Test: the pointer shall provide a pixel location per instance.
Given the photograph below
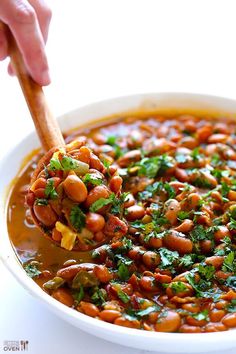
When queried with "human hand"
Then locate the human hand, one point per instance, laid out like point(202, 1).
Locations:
point(29, 23)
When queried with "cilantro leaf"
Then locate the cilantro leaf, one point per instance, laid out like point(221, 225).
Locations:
point(123, 296)
point(68, 163)
point(78, 295)
point(154, 166)
point(99, 296)
point(101, 202)
point(231, 282)
point(123, 271)
point(183, 215)
point(32, 270)
point(187, 260)
point(232, 306)
point(206, 271)
point(50, 190)
point(91, 178)
point(167, 257)
point(203, 315)
point(77, 218)
point(229, 264)
point(178, 287)
point(41, 201)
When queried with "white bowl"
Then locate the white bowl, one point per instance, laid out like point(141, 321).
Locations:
point(164, 342)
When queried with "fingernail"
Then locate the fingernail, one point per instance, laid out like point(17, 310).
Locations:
point(45, 78)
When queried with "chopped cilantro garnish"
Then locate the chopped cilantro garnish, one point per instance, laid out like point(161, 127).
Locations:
point(181, 158)
point(203, 315)
point(32, 270)
point(41, 201)
point(90, 178)
point(154, 166)
point(229, 264)
point(231, 282)
point(78, 295)
point(123, 296)
point(50, 190)
point(77, 218)
point(167, 257)
point(118, 203)
point(206, 271)
point(178, 287)
point(102, 202)
point(187, 260)
point(195, 154)
point(67, 163)
point(183, 215)
point(123, 271)
point(232, 306)
point(139, 314)
point(99, 296)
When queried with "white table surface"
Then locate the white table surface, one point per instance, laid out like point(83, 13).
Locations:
point(101, 49)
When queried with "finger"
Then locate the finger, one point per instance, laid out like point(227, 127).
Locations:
point(3, 43)
point(44, 15)
point(22, 20)
point(10, 69)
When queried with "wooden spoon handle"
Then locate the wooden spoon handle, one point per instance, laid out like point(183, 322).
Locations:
point(46, 125)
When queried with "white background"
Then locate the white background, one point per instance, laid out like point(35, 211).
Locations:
point(106, 48)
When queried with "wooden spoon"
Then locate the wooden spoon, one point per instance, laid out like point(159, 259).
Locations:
point(52, 140)
point(46, 125)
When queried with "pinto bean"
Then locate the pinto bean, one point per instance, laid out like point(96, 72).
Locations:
point(186, 226)
point(188, 291)
point(216, 261)
point(102, 273)
point(177, 242)
point(109, 315)
point(96, 163)
point(193, 200)
point(168, 323)
point(64, 296)
point(216, 315)
point(181, 175)
point(191, 307)
point(88, 308)
point(232, 195)
point(189, 329)
point(129, 157)
point(115, 227)
point(206, 246)
point(115, 184)
point(38, 184)
point(95, 194)
point(172, 207)
point(151, 259)
point(229, 320)
point(84, 154)
point(148, 283)
point(217, 138)
point(214, 327)
point(45, 214)
point(194, 322)
point(204, 132)
point(95, 222)
point(135, 212)
point(121, 321)
point(68, 273)
point(75, 188)
point(221, 233)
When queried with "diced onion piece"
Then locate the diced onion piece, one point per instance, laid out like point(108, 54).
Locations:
point(68, 236)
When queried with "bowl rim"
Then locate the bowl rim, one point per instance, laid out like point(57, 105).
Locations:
point(10, 260)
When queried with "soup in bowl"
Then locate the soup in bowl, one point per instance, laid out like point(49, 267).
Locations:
point(164, 226)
